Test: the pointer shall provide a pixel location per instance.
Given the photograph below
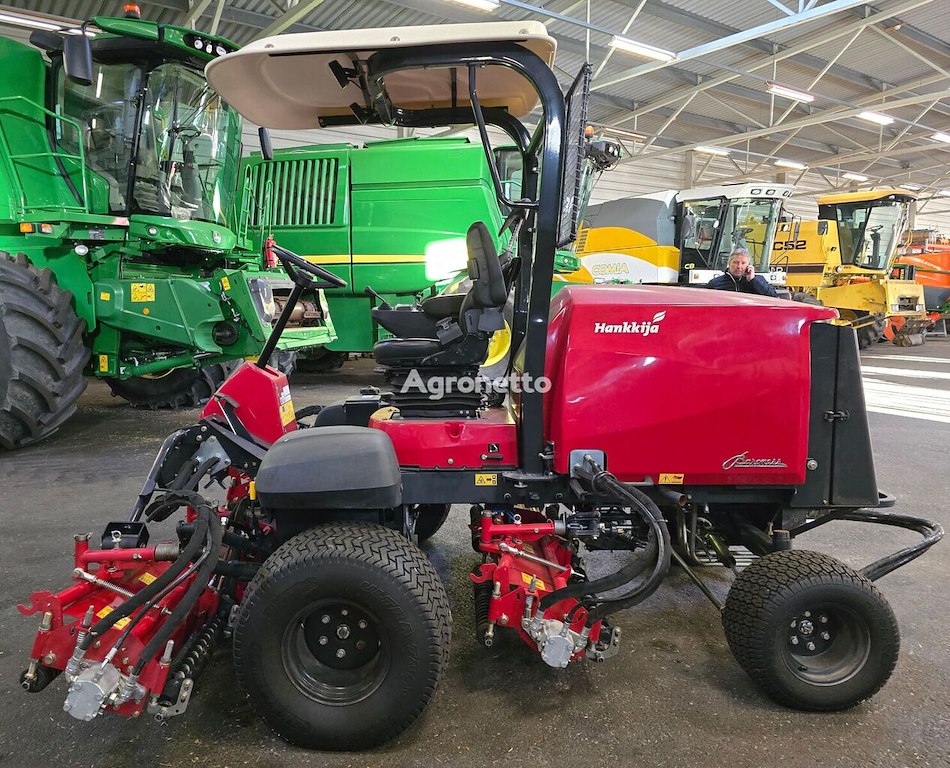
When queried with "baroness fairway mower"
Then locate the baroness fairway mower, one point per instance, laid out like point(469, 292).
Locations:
point(340, 623)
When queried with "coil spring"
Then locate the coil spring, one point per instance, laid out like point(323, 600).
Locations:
point(194, 658)
point(482, 603)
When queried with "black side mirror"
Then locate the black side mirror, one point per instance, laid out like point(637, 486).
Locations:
point(266, 149)
point(77, 58)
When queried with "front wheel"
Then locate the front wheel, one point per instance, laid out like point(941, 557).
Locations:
point(342, 636)
point(812, 632)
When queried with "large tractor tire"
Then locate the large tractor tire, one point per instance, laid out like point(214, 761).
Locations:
point(184, 387)
point(342, 637)
point(178, 388)
point(42, 354)
point(871, 332)
point(321, 360)
point(812, 632)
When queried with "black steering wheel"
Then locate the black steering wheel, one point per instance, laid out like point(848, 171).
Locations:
point(294, 265)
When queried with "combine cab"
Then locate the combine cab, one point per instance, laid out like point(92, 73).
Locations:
point(843, 260)
point(119, 255)
point(680, 237)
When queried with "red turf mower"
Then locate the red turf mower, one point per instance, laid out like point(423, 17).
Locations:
point(679, 424)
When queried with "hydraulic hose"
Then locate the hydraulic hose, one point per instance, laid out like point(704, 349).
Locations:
point(190, 599)
point(189, 553)
point(603, 482)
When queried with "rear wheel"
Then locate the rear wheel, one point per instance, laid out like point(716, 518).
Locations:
point(342, 636)
point(429, 518)
point(812, 632)
point(42, 353)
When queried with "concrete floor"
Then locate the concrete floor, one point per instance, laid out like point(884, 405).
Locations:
point(673, 696)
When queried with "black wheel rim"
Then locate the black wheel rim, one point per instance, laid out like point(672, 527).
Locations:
point(826, 645)
point(334, 653)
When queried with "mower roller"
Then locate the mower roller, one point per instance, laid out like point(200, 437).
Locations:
point(340, 623)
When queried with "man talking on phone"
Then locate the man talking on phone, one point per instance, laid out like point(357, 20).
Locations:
point(740, 276)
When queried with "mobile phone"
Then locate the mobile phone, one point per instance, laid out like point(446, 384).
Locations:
point(748, 271)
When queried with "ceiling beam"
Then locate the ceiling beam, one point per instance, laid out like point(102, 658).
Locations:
point(291, 17)
point(738, 38)
point(662, 10)
point(804, 43)
point(824, 116)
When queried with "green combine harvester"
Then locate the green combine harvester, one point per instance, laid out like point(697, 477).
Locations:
point(120, 256)
point(390, 218)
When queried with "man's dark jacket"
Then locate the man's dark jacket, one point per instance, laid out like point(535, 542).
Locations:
point(758, 285)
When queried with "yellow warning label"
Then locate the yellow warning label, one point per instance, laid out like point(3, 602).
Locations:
point(105, 296)
point(147, 578)
point(143, 291)
point(252, 490)
point(287, 414)
point(104, 363)
point(484, 478)
point(225, 284)
point(538, 584)
point(671, 479)
point(120, 624)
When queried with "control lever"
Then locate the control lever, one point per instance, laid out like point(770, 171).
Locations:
point(383, 304)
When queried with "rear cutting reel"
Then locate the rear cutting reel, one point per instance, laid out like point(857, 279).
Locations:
point(533, 580)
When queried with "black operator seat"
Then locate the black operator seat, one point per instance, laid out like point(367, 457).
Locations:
point(462, 337)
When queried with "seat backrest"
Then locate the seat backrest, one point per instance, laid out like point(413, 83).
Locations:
point(484, 268)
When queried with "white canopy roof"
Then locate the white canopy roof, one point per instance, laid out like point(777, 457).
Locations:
point(286, 81)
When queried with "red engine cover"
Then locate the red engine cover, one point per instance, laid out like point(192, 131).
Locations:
point(681, 385)
point(263, 401)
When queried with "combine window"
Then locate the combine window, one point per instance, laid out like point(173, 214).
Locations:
point(105, 112)
point(867, 232)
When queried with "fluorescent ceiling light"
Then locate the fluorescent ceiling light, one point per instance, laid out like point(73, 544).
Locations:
point(875, 117)
point(854, 176)
point(940, 136)
point(27, 21)
point(912, 187)
point(791, 164)
point(479, 5)
point(789, 93)
point(627, 45)
point(622, 133)
point(713, 150)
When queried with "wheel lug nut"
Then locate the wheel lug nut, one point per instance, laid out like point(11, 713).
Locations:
point(826, 636)
point(360, 645)
point(823, 619)
point(340, 653)
point(322, 640)
point(807, 614)
point(794, 640)
point(344, 612)
point(363, 624)
point(810, 646)
point(325, 619)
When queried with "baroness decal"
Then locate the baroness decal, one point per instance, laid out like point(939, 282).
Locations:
point(742, 460)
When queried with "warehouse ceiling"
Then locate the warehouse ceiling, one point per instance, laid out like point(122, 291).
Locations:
point(707, 87)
